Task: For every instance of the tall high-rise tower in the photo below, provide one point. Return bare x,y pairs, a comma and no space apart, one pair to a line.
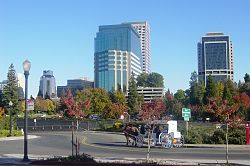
48,84
143,29
215,57
117,56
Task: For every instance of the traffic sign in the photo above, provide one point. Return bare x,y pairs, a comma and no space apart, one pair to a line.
186,119
186,112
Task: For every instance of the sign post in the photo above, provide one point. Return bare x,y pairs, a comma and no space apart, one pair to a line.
186,114
247,132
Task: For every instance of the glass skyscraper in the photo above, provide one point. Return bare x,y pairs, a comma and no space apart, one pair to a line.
215,57
117,56
48,84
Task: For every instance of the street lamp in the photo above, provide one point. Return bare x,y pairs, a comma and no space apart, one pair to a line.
10,105
26,68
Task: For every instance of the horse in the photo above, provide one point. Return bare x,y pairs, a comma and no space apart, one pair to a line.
131,132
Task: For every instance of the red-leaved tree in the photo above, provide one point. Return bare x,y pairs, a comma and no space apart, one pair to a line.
75,108
150,112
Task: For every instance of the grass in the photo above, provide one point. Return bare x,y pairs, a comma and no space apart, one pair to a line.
6,133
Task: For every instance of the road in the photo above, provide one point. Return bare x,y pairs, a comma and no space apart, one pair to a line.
100,144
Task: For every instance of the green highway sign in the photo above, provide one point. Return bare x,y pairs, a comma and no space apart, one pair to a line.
186,113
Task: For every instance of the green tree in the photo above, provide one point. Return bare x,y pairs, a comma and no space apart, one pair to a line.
133,102
210,89
10,91
142,80
155,80
247,78
193,79
150,80
117,97
180,95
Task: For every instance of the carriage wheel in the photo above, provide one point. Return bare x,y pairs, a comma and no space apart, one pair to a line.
139,141
166,141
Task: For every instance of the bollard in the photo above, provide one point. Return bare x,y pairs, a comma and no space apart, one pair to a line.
247,133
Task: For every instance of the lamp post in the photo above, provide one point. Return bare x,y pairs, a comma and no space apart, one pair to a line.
10,105
26,68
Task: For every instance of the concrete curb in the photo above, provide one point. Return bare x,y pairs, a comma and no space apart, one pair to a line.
17,138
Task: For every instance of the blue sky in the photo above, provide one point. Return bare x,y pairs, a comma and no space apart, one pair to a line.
58,35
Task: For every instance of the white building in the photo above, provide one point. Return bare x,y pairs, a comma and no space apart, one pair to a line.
150,93
143,29
20,80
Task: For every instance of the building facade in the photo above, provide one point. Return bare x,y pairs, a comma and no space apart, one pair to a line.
150,93
2,84
117,56
143,29
48,84
74,85
215,57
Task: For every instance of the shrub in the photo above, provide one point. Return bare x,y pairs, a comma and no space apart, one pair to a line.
193,137
80,158
6,133
236,136
218,137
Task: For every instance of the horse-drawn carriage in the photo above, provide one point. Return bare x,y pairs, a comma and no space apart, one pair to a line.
163,133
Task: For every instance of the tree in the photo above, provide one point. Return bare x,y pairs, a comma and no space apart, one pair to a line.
117,97
210,89
169,102
142,80
133,102
50,106
150,112
247,78
222,110
39,93
114,110
150,80
99,99
244,103
41,104
193,79
75,108
180,95
155,80
10,91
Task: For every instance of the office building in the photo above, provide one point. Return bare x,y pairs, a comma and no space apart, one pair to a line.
143,29
47,84
150,93
215,57
74,85
117,56
2,84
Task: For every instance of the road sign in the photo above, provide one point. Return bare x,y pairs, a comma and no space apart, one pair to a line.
186,119
186,112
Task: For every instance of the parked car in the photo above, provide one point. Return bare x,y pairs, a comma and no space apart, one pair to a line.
94,117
